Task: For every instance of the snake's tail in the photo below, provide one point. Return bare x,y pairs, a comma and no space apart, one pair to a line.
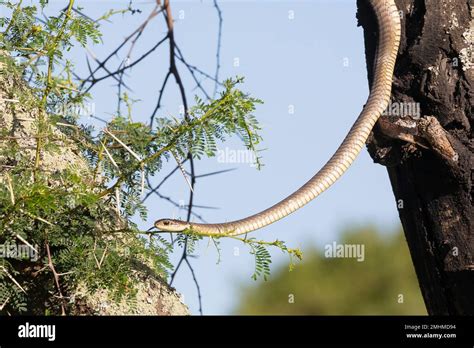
388,20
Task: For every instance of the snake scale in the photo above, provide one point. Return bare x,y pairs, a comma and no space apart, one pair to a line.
389,30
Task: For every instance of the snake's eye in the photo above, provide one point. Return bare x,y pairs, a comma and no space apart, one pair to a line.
166,222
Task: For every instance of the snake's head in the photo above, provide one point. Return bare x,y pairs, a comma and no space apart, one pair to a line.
171,225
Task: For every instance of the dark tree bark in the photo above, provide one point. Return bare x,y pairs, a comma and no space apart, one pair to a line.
431,167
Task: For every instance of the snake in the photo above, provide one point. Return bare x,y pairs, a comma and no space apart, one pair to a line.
389,32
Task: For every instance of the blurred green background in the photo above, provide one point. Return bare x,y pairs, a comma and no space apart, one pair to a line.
384,283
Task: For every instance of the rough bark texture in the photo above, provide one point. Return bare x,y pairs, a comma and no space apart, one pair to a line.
434,193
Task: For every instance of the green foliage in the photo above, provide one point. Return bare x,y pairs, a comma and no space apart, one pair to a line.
262,262
258,248
82,214
230,114
188,241
342,286
39,47
211,122
9,291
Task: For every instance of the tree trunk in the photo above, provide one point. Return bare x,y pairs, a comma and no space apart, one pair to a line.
430,159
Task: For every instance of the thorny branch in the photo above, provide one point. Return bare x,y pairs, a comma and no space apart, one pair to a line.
56,279
175,56
218,51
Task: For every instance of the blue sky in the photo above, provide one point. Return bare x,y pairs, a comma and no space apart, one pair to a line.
305,60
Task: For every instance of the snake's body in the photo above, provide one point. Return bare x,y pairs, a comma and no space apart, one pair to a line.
389,29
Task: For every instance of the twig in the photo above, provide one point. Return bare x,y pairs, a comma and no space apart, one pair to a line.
146,54
218,51
142,182
124,145
101,65
10,188
12,279
110,156
10,100
37,218
4,303
160,95
182,170
89,51
56,279
26,242
215,173
99,263
195,283
117,200
159,185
